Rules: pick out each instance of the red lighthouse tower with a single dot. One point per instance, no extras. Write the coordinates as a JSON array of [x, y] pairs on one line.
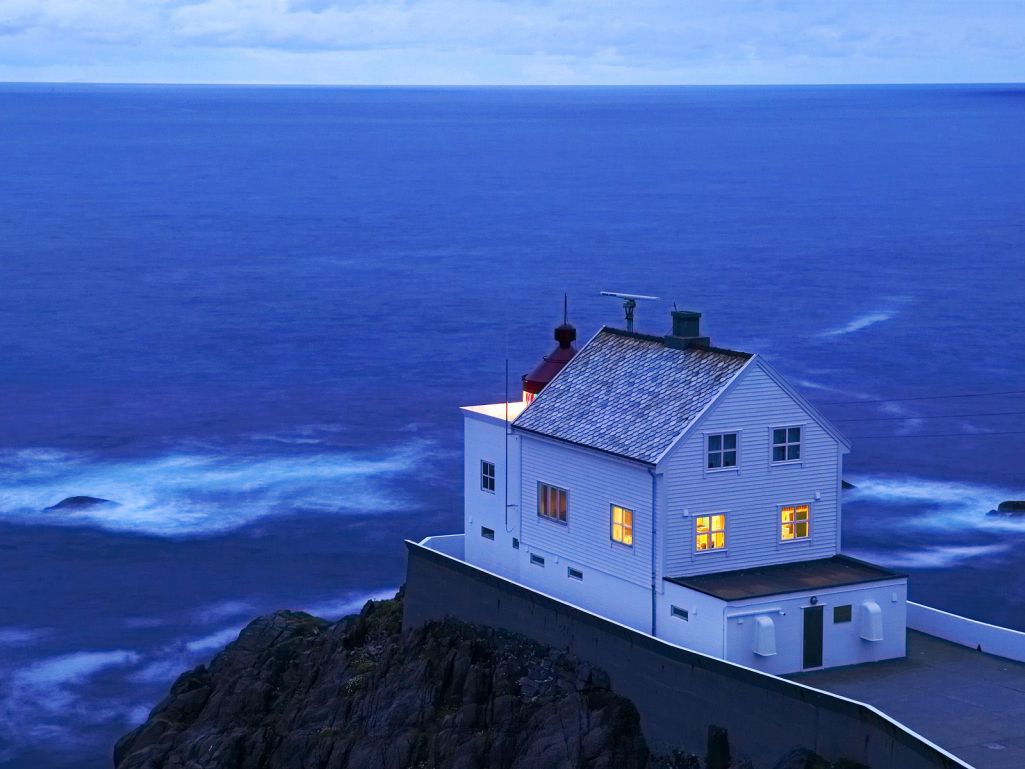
[[553, 363]]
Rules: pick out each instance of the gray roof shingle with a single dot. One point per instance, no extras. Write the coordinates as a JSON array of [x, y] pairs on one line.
[[630, 394]]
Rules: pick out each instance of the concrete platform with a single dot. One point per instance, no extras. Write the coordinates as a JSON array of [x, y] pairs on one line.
[[969, 703]]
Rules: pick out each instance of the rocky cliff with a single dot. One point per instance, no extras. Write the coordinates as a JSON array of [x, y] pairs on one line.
[[297, 691]]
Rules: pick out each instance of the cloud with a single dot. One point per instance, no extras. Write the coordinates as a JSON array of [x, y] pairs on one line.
[[524, 41]]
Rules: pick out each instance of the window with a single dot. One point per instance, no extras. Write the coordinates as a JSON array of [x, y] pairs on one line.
[[487, 475], [679, 613], [487, 533], [622, 525], [793, 522], [722, 451], [574, 573], [551, 502], [537, 560], [516, 543], [786, 444], [710, 532], [841, 614]]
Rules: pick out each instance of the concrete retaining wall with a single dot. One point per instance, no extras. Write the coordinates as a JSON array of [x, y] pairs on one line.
[[678, 692], [991, 639]]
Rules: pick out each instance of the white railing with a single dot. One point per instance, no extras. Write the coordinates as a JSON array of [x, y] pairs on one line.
[[449, 544], [992, 639]]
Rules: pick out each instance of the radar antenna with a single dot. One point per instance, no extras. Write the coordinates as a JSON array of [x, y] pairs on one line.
[[629, 304]]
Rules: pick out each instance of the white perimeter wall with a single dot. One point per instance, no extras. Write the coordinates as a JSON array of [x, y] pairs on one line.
[[992, 639]]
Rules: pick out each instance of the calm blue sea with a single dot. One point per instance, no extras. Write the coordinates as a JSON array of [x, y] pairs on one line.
[[248, 315]]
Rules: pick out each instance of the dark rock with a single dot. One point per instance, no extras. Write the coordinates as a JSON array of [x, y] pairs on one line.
[[296, 691], [1010, 507], [718, 755], [847, 485], [802, 758], [71, 504]]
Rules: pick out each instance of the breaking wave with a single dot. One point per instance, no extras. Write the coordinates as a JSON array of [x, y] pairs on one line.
[[861, 322], [939, 505], [197, 493], [938, 557]]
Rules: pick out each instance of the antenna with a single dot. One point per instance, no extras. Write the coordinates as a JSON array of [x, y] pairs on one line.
[[565, 309], [629, 303]]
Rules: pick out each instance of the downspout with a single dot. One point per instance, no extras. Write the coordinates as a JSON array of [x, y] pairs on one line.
[[654, 550]]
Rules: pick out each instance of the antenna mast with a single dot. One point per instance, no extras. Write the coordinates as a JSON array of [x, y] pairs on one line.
[[629, 304]]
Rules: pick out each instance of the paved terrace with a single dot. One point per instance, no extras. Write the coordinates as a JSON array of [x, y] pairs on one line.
[[969, 703]]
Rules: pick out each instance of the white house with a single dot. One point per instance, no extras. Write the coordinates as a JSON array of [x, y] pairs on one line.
[[681, 489]]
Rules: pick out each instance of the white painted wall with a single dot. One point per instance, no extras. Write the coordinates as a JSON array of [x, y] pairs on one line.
[[595, 482], [992, 639], [484, 439], [609, 596], [841, 643], [750, 494], [702, 631]]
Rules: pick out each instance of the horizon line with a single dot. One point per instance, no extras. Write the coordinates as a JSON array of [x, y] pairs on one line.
[[235, 84]]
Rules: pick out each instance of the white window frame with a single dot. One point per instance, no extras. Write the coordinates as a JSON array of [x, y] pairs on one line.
[[485, 476], [553, 519], [725, 533], [704, 457], [773, 462], [779, 522]]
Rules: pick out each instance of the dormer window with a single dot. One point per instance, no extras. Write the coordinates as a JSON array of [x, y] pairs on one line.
[[721, 451], [786, 444]]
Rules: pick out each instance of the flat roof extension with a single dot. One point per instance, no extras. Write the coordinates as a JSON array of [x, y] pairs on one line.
[[781, 578]]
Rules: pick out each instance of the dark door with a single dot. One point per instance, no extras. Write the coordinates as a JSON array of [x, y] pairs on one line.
[[813, 637]]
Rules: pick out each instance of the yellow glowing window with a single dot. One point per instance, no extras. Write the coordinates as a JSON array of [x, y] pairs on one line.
[[793, 522], [710, 532], [622, 525]]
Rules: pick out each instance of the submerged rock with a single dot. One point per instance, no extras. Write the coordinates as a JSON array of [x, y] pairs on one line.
[[77, 503]]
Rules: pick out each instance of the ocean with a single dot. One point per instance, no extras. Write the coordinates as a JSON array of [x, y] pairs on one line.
[[248, 316]]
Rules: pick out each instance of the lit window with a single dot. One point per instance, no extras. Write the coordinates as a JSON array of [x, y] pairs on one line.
[[551, 502], [487, 475], [793, 522], [722, 451], [786, 444], [622, 525], [710, 532]]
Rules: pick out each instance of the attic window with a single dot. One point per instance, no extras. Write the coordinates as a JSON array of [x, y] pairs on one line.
[[722, 451], [786, 444]]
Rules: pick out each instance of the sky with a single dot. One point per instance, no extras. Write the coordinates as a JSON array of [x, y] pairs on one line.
[[512, 42]]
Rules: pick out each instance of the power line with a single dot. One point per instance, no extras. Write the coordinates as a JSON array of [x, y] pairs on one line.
[[940, 435], [931, 416], [923, 398]]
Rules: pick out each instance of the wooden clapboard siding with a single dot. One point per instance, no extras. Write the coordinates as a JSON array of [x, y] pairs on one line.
[[750, 495], [594, 483]]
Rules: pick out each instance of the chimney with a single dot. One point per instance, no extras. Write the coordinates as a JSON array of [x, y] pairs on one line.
[[553, 363], [686, 331]]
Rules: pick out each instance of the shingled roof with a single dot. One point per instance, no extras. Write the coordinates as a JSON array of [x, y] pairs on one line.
[[630, 394]]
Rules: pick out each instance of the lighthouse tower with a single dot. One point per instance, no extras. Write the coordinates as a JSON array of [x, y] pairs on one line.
[[554, 362]]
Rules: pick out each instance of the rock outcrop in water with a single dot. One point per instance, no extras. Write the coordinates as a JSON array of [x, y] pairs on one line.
[[297, 692], [1010, 507], [71, 504]]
